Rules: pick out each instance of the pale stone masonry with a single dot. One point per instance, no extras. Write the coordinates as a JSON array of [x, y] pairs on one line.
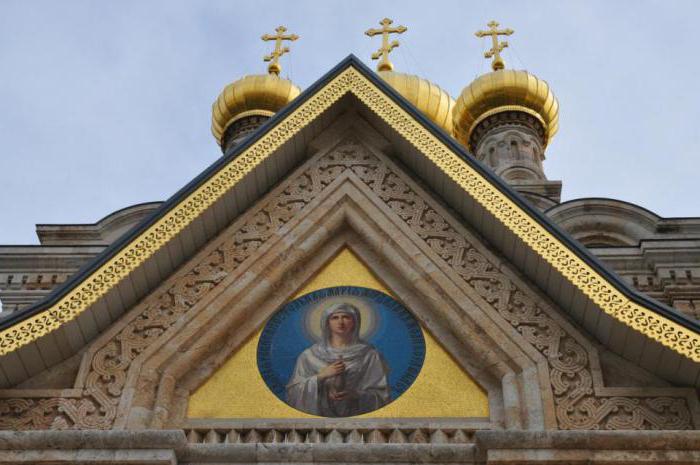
[[569, 364], [349, 181], [173, 447], [658, 256], [28, 273]]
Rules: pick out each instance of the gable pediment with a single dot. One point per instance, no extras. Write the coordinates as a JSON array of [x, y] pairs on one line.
[[633, 326], [140, 373]]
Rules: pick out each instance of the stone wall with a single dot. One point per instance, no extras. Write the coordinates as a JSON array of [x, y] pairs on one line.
[[28, 273], [543, 371], [171, 447], [657, 256]]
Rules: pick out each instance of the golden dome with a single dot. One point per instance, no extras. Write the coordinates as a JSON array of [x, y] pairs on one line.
[[505, 90], [254, 95], [430, 99]]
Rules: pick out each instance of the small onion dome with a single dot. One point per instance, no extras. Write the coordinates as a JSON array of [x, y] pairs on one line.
[[505, 90], [431, 100], [254, 95]]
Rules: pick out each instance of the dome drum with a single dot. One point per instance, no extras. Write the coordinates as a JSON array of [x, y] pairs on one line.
[[240, 127], [505, 96], [508, 116]]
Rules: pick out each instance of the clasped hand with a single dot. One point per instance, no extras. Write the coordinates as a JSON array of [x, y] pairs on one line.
[[340, 395], [333, 369]]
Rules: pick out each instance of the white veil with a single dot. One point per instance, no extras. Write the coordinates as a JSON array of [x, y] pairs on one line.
[[356, 348]]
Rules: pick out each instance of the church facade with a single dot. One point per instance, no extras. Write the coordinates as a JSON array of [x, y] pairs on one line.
[[372, 272]]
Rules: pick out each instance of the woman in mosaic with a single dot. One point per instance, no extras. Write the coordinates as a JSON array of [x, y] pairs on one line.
[[341, 375]]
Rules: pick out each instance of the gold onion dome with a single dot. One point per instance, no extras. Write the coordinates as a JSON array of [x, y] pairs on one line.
[[427, 97], [501, 91], [504, 90], [255, 95]]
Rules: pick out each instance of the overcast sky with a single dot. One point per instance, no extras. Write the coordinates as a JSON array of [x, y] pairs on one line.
[[108, 104]]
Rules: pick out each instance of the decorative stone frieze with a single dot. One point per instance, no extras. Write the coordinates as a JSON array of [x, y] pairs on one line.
[[171, 447], [580, 400]]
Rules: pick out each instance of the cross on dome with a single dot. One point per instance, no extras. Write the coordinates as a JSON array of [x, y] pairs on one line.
[[383, 52], [274, 56], [497, 47]]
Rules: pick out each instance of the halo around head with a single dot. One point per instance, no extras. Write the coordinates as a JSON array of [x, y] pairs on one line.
[[368, 315]]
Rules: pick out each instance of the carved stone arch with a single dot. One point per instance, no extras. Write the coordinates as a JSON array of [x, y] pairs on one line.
[[574, 395], [556, 377], [345, 213], [493, 371]]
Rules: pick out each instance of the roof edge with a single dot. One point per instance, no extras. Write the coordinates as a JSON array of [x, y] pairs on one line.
[[451, 144], [113, 249]]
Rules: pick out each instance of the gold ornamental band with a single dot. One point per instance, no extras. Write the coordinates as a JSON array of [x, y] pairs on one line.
[[657, 327]]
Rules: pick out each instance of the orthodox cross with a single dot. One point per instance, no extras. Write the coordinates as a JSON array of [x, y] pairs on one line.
[[274, 56], [383, 52], [497, 47]]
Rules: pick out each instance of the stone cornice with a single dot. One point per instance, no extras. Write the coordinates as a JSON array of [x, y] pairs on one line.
[[485, 447]]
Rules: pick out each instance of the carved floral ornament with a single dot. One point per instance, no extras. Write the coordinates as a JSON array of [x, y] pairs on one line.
[[590, 282], [577, 405]]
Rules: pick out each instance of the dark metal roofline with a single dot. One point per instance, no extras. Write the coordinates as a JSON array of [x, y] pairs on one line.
[[352, 60], [87, 269], [534, 213]]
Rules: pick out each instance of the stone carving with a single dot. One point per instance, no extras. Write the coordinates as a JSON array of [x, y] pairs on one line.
[[506, 119], [372, 435], [577, 406], [513, 154], [94, 410], [594, 285]]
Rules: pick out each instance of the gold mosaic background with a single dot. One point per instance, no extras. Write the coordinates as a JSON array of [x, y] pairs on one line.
[[442, 389]]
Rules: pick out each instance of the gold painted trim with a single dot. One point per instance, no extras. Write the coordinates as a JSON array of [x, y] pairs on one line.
[[657, 327]]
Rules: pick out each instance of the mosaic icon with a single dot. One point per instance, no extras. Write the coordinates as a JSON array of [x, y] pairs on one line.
[[341, 351]]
